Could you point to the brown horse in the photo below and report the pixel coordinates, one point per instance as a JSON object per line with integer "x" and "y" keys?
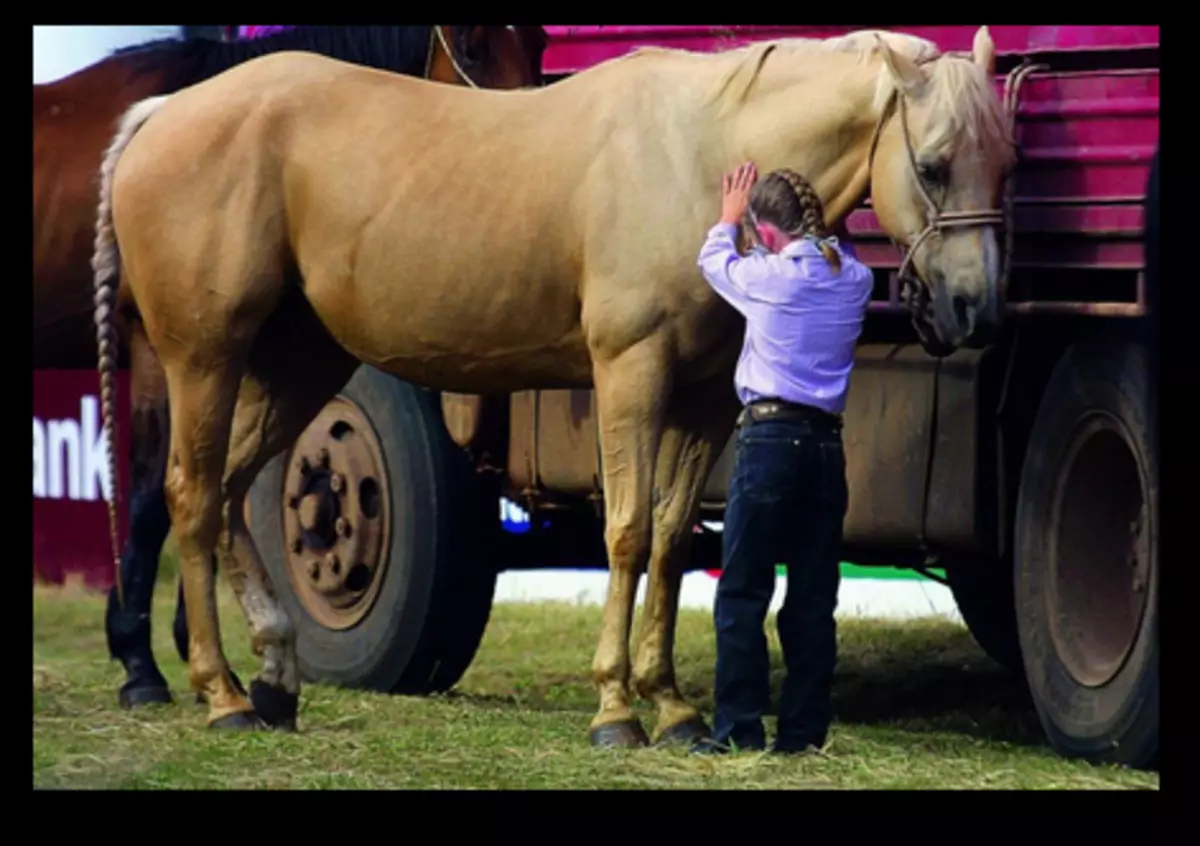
{"x": 73, "y": 121}
{"x": 484, "y": 241}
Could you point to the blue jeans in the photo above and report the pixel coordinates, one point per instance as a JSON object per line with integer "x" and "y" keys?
{"x": 787, "y": 500}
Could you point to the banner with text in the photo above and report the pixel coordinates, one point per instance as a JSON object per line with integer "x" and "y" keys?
{"x": 71, "y": 487}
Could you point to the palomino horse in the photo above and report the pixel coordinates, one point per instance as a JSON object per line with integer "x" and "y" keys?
{"x": 73, "y": 120}
{"x": 495, "y": 241}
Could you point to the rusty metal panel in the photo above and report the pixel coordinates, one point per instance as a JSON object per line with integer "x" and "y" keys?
{"x": 951, "y": 512}
{"x": 554, "y": 446}
{"x": 888, "y": 415}
{"x": 521, "y": 452}
{"x": 568, "y": 452}
{"x": 717, "y": 488}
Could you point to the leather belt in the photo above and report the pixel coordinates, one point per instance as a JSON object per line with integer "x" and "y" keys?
{"x": 773, "y": 409}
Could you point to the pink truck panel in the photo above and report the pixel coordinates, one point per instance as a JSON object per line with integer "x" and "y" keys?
{"x": 1087, "y": 130}
{"x": 573, "y": 48}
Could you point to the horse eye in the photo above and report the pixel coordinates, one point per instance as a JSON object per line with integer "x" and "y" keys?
{"x": 933, "y": 172}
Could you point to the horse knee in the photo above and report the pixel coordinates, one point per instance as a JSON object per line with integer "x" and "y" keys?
{"x": 195, "y": 512}
{"x": 628, "y": 539}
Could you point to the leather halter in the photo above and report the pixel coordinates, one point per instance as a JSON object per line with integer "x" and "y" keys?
{"x": 917, "y": 295}
{"x": 435, "y": 33}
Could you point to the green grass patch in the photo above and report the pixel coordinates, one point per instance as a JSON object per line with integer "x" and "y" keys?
{"x": 918, "y": 706}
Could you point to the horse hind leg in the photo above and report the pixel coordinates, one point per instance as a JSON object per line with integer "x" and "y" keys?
{"x": 294, "y": 370}
{"x": 698, "y": 423}
{"x": 128, "y": 629}
{"x": 202, "y": 401}
{"x": 628, "y": 400}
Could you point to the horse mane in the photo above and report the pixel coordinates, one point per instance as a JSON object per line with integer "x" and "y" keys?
{"x": 400, "y": 49}
{"x": 952, "y": 76}
{"x": 964, "y": 103}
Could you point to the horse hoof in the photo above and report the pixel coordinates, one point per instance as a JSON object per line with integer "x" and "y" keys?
{"x": 237, "y": 721}
{"x": 686, "y": 733}
{"x": 137, "y": 696}
{"x": 274, "y": 705}
{"x": 625, "y": 735}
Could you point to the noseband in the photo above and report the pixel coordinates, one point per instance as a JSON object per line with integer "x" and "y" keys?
{"x": 916, "y": 291}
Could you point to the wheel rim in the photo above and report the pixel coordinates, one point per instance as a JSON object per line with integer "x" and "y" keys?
{"x": 336, "y": 515}
{"x": 1099, "y": 553}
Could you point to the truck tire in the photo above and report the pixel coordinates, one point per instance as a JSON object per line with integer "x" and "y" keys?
{"x": 983, "y": 592}
{"x": 1086, "y": 548}
{"x": 376, "y": 481}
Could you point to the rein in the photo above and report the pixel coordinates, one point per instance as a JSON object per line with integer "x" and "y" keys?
{"x": 437, "y": 34}
{"x": 916, "y": 291}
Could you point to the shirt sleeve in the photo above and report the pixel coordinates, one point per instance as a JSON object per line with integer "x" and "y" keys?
{"x": 738, "y": 280}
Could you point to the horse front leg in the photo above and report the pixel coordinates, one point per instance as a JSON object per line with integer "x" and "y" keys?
{"x": 629, "y": 391}
{"x": 698, "y": 423}
{"x": 127, "y": 629}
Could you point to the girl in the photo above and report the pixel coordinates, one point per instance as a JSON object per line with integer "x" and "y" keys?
{"x": 804, "y": 302}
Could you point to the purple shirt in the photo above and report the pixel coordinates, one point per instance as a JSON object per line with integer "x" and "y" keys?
{"x": 802, "y": 320}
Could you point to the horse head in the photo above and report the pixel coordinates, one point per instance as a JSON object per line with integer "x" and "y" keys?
{"x": 940, "y": 155}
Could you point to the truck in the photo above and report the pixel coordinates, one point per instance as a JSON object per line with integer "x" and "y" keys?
{"x": 1026, "y": 472}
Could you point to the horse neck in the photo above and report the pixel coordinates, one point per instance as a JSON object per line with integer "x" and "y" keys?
{"x": 400, "y": 49}
{"x": 816, "y": 115}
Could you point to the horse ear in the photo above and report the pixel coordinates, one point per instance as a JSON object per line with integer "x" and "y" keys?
{"x": 984, "y": 50}
{"x": 905, "y": 73}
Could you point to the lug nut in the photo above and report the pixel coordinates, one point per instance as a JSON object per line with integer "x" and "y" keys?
{"x": 314, "y": 570}
{"x": 334, "y": 563}
{"x": 336, "y": 482}
{"x": 293, "y": 502}
{"x": 323, "y": 457}
{"x": 343, "y": 527}
{"x": 297, "y": 546}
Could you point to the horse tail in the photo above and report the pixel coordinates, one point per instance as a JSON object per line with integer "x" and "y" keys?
{"x": 106, "y": 262}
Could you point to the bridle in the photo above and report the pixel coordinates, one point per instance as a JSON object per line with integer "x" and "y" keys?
{"x": 916, "y": 291}
{"x": 436, "y": 36}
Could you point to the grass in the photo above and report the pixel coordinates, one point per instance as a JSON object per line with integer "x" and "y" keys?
{"x": 918, "y": 707}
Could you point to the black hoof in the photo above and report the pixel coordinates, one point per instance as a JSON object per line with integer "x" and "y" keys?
{"x": 686, "y": 733}
{"x": 134, "y": 695}
{"x": 240, "y": 721}
{"x": 629, "y": 735}
{"x": 274, "y": 705}
{"x": 237, "y": 685}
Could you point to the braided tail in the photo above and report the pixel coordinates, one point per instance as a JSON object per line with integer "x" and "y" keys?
{"x": 106, "y": 261}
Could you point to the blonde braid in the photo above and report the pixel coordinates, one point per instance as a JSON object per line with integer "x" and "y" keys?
{"x": 812, "y": 215}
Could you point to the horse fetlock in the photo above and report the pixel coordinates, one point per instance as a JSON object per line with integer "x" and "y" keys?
{"x": 613, "y": 692}
{"x": 655, "y": 683}
{"x": 224, "y": 703}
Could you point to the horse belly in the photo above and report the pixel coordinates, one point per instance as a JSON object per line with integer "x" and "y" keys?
{"x": 478, "y": 334}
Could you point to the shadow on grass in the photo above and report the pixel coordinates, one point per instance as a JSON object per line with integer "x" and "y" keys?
{"x": 915, "y": 677}
{"x": 936, "y": 681}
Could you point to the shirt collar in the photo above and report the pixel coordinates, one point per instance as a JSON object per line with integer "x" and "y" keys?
{"x": 805, "y": 246}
